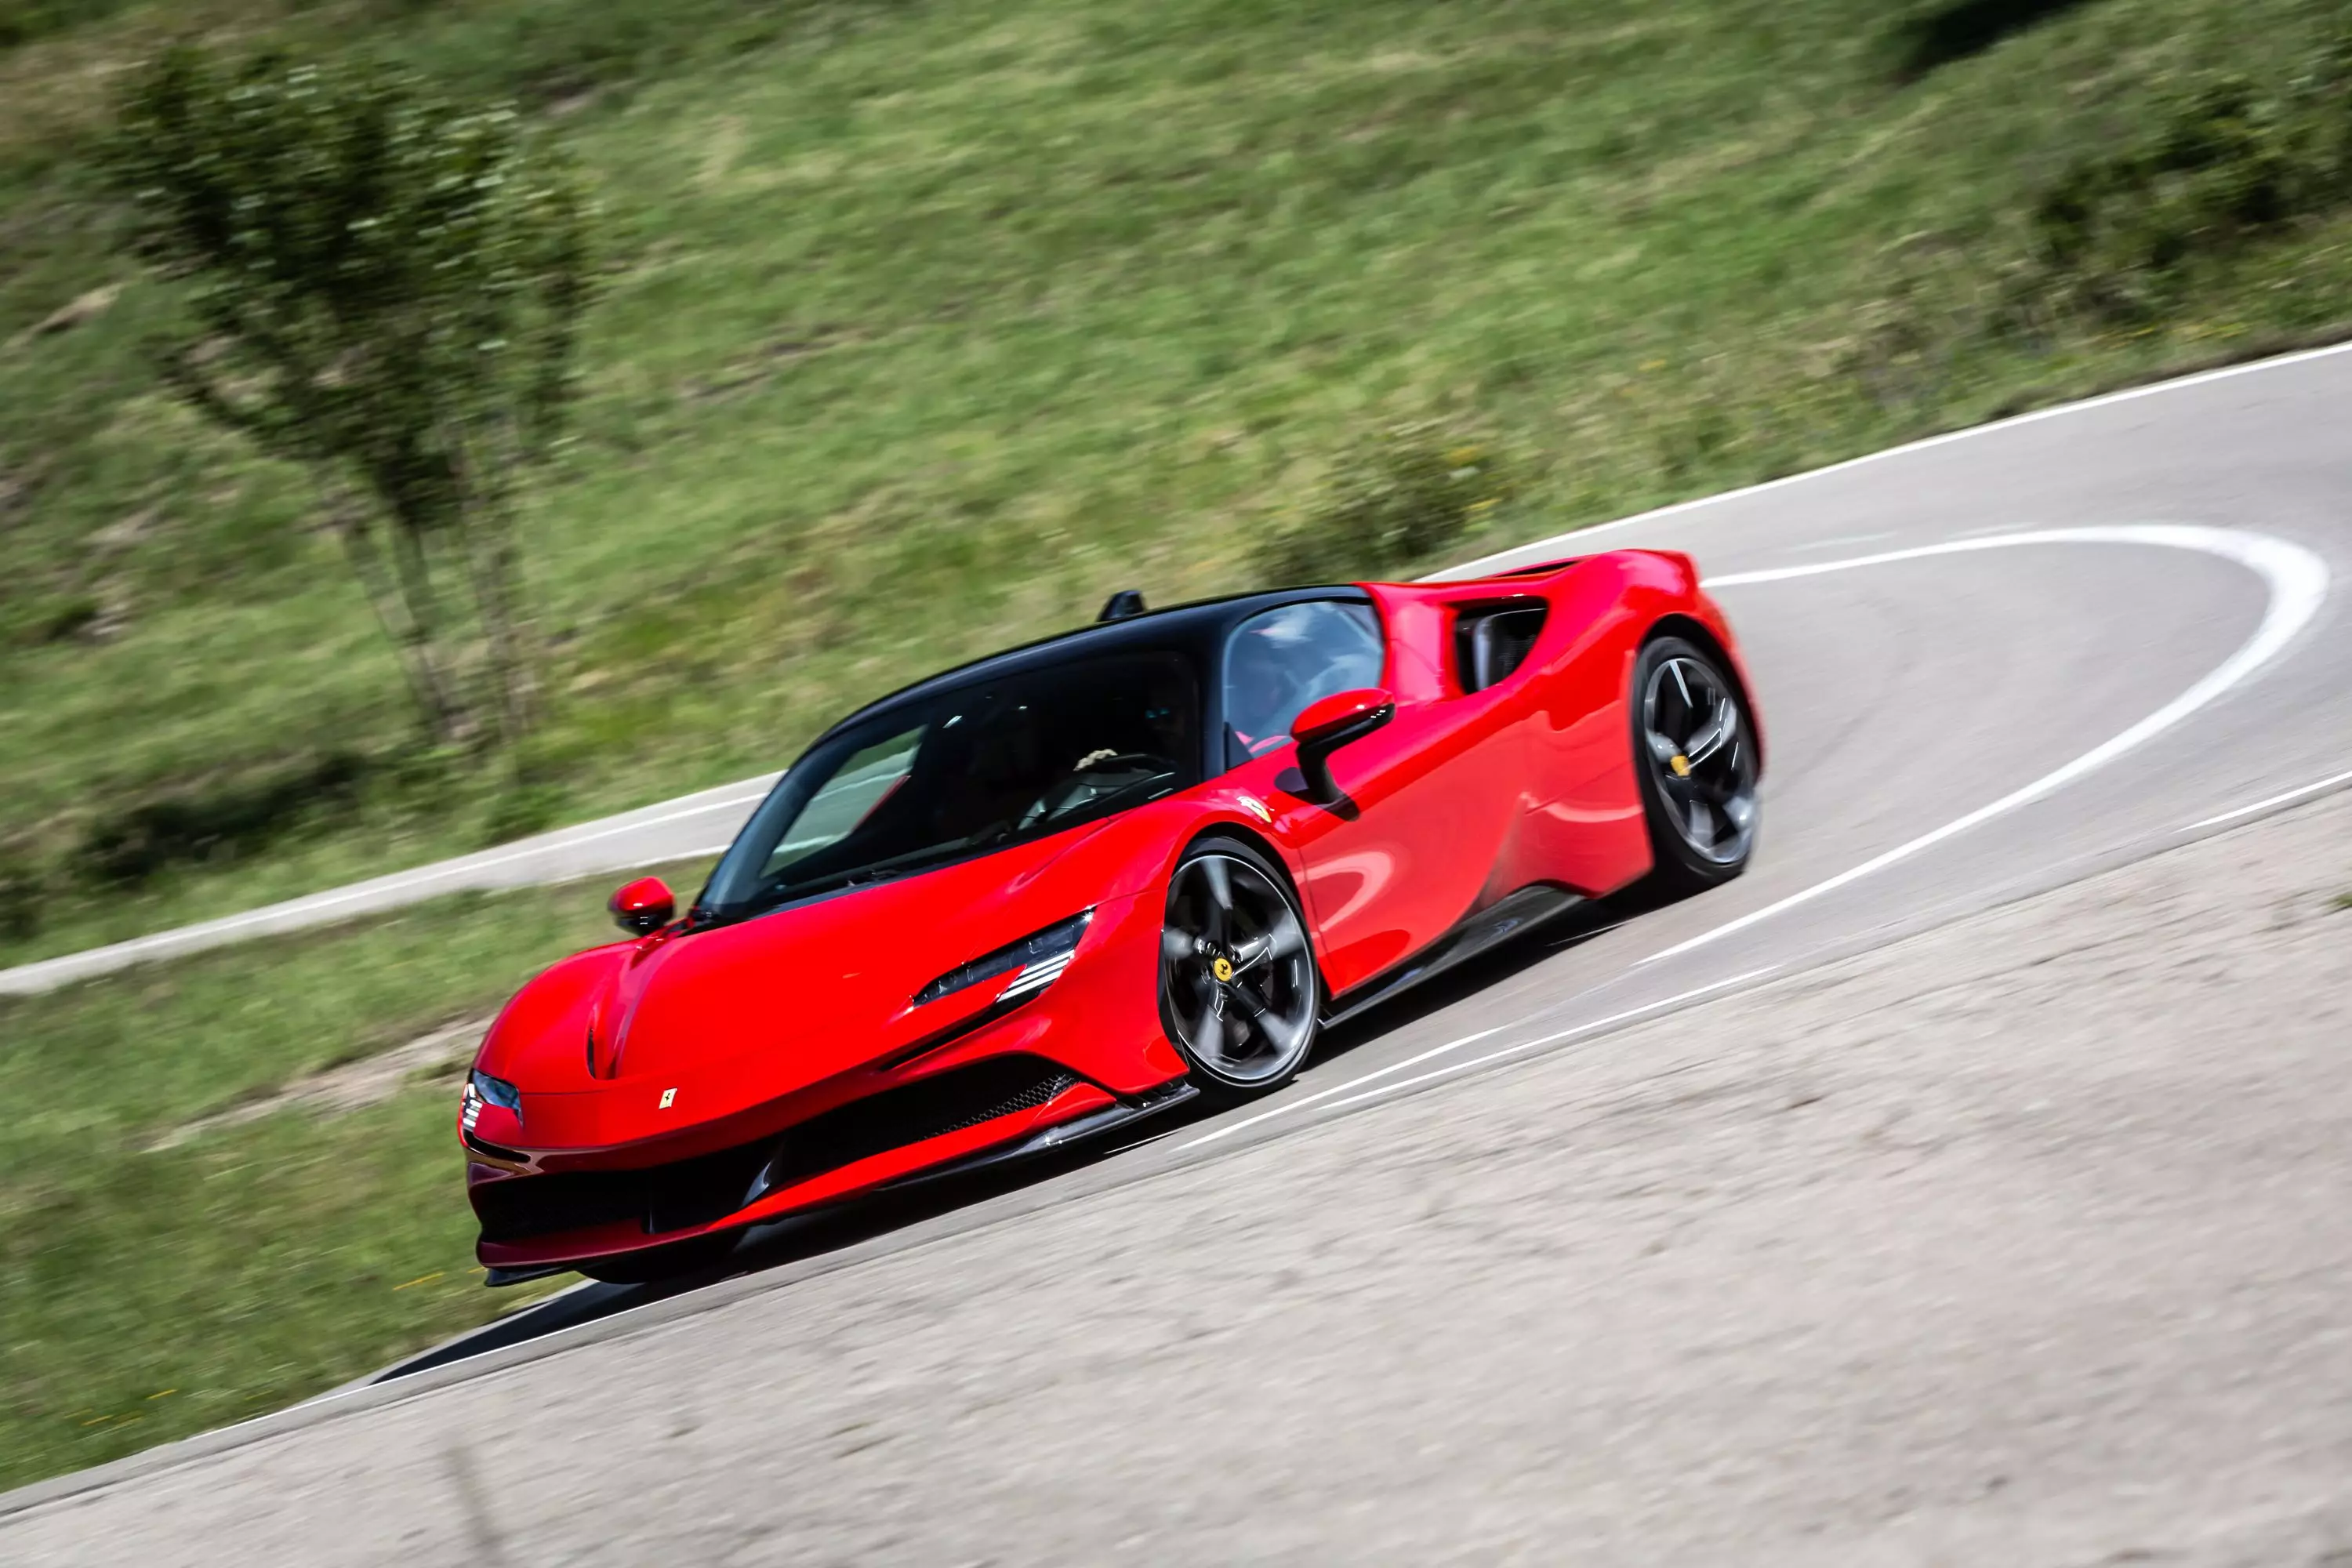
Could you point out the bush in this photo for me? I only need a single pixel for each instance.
(220, 823)
(2226, 164)
(1390, 503)
(23, 889)
(22, 21)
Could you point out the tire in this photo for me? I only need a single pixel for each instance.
(659, 1263)
(1694, 752)
(1239, 994)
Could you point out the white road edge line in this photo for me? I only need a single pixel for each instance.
(1305, 1101)
(2298, 580)
(1353, 1087)
(2274, 800)
(1557, 1038)
(1535, 549)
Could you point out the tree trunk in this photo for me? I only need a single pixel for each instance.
(424, 605)
(494, 559)
(412, 641)
(504, 619)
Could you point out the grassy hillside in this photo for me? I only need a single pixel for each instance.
(928, 322)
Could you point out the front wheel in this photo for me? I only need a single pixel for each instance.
(1238, 990)
(1694, 748)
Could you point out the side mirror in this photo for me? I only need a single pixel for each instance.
(644, 906)
(1329, 723)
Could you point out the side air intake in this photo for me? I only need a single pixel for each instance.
(1490, 644)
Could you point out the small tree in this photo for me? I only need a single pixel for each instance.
(386, 287)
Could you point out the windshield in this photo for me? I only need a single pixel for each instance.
(974, 769)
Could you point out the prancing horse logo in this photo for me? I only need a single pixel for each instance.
(668, 1095)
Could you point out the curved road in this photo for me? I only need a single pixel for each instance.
(1989, 663)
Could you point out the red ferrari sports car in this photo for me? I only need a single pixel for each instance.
(1070, 886)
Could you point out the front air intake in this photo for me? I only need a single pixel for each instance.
(687, 1193)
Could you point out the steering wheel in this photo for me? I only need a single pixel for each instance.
(1061, 796)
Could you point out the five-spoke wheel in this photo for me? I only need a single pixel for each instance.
(1238, 989)
(1696, 753)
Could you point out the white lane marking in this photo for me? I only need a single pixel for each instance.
(1354, 1086)
(1537, 549)
(2274, 800)
(1307, 1100)
(1560, 1037)
(2298, 580)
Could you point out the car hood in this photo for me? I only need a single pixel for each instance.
(764, 1007)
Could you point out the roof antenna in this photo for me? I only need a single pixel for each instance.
(1120, 605)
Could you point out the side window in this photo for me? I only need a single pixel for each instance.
(1281, 660)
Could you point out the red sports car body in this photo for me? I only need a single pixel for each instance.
(1068, 886)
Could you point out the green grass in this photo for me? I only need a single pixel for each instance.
(149, 1293)
(926, 326)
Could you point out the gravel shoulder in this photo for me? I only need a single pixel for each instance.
(2027, 1240)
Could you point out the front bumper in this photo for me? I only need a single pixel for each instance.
(999, 1108)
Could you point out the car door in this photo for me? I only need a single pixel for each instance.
(1404, 848)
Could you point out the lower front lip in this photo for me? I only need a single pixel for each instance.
(1080, 1101)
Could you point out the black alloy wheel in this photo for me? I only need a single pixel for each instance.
(1238, 989)
(1694, 748)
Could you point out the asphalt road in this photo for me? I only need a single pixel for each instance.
(1990, 665)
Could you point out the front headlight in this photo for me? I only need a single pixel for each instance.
(1038, 958)
(482, 1088)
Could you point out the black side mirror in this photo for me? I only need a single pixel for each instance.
(1330, 723)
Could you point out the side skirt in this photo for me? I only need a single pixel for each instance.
(1498, 922)
(1150, 1102)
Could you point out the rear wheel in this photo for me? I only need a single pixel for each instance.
(1694, 748)
(1238, 990)
(655, 1263)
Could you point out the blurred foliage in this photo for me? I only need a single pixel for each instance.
(557, 53)
(23, 889)
(218, 822)
(1943, 34)
(22, 21)
(1390, 501)
(384, 287)
(2227, 163)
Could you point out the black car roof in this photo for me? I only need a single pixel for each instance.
(1196, 629)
